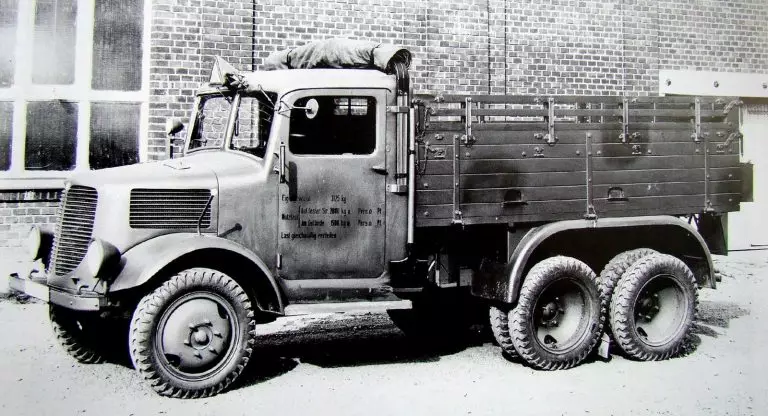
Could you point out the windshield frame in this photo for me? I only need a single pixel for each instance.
(195, 119)
(231, 123)
(259, 96)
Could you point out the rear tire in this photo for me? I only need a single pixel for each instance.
(558, 317)
(499, 320)
(79, 333)
(612, 273)
(193, 336)
(653, 307)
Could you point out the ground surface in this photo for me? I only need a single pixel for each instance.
(361, 364)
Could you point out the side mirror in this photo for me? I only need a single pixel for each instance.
(173, 126)
(311, 108)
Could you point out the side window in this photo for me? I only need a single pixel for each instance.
(340, 125)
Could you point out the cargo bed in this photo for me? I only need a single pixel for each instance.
(492, 159)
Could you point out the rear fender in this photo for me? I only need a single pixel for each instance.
(169, 253)
(595, 242)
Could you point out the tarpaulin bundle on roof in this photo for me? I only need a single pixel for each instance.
(340, 53)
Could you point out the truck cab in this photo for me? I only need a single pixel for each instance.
(302, 175)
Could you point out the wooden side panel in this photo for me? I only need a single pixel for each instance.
(512, 171)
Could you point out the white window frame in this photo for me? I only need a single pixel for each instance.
(23, 91)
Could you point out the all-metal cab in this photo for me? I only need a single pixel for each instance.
(283, 181)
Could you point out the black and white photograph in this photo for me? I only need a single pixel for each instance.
(383, 207)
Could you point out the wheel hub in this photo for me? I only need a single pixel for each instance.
(648, 306)
(551, 312)
(560, 316)
(659, 310)
(195, 333)
(200, 338)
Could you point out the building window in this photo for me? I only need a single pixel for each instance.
(114, 134)
(51, 131)
(54, 42)
(6, 132)
(117, 45)
(8, 11)
(73, 86)
(341, 125)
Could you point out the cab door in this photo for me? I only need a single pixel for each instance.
(332, 199)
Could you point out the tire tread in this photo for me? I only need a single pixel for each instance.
(141, 330)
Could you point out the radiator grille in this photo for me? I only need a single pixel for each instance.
(170, 208)
(73, 229)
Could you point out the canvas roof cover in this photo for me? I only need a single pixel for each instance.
(339, 53)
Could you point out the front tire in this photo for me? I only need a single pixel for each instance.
(193, 336)
(653, 307)
(558, 318)
(79, 333)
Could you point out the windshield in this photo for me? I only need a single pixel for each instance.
(252, 124)
(211, 122)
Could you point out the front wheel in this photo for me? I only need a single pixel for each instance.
(558, 318)
(79, 333)
(193, 336)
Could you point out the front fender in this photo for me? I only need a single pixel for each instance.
(142, 262)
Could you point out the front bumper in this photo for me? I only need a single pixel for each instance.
(36, 287)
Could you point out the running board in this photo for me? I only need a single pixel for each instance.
(345, 307)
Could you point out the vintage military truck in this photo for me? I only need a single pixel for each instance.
(338, 184)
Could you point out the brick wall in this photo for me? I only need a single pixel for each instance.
(185, 35)
(473, 46)
(534, 46)
(19, 210)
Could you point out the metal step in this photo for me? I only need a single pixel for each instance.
(345, 307)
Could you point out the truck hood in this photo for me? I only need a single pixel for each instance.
(201, 170)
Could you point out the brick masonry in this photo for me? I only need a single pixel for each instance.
(474, 46)
(609, 47)
(18, 211)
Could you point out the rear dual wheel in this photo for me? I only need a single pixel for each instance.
(653, 307)
(558, 318)
(612, 273)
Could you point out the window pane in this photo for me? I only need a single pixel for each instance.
(6, 132)
(341, 125)
(211, 124)
(51, 135)
(8, 11)
(117, 37)
(54, 42)
(114, 134)
(254, 121)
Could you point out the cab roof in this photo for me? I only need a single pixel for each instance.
(283, 81)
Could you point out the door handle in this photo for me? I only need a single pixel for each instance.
(281, 166)
(381, 170)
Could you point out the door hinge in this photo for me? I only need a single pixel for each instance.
(279, 261)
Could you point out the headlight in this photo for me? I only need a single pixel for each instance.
(32, 243)
(99, 255)
(94, 257)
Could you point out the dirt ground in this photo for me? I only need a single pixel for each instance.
(360, 363)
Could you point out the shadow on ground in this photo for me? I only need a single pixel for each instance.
(369, 339)
(711, 315)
